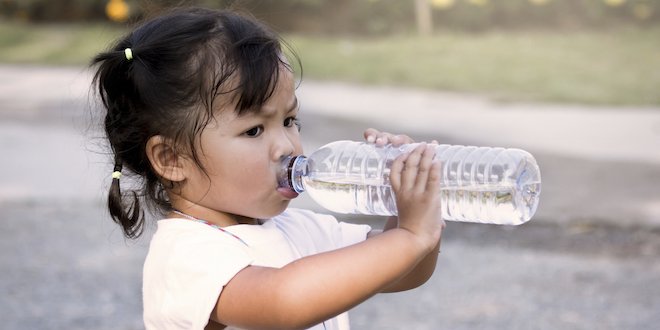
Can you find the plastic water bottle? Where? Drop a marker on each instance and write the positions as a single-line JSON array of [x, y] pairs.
[[479, 184]]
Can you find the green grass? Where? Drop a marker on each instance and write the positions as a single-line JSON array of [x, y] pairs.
[[614, 67], [71, 44]]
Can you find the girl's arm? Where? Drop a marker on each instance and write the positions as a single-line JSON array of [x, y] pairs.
[[417, 276], [315, 288]]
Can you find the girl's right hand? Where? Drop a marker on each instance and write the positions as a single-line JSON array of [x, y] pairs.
[[415, 179]]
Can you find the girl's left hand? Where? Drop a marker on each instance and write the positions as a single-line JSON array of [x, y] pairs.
[[373, 135]]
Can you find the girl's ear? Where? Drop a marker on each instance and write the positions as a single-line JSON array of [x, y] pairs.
[[164, 160]]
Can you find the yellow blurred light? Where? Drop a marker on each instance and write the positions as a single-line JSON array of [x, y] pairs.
[[117, 10], [442, 4], [642, 11], [539, 2], [479, 2], [614, 3]]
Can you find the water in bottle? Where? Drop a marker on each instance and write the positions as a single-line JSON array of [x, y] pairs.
[[479, 184]]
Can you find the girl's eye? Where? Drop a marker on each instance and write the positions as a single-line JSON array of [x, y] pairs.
[[254, 132], [292, 121]]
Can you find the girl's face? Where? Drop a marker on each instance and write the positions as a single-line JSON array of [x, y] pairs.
[[241, 157]]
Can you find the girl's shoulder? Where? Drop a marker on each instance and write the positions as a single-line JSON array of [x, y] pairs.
[[184, 236]]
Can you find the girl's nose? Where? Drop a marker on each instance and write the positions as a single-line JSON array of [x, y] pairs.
[[284, 145]]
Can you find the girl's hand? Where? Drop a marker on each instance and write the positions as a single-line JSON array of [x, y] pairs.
[[421, 181], [415, 179], [373, 135]]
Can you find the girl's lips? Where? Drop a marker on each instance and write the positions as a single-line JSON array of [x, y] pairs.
[[287, 192]]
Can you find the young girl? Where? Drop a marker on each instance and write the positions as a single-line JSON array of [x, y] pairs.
[[201, 106]]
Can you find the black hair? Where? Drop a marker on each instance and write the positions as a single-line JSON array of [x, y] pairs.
[[181, 62]]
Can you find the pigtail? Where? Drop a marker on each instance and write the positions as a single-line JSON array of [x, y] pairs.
[[127, 214], [115, 92]]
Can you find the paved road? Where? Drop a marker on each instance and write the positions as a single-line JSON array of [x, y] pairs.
[[588, 260]]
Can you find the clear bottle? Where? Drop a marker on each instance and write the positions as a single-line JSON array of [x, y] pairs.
[[479, 184]]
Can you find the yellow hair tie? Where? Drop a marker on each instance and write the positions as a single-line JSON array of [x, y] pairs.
[[116, 175], [129, 54]]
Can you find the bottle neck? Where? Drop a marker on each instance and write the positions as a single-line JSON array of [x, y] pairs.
[[292, 171]]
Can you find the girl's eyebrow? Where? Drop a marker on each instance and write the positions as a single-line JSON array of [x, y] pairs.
[[293, 107], [272, 112], [267, 112]]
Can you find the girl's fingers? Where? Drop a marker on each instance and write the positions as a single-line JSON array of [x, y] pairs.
[[383, 139], [373, 135], [395, 171], [424, 169], [411, 167], [370, 134], [400, 139], [412, 172], [434, 178]]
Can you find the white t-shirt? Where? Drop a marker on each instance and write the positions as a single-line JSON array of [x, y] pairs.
[[190, 262]]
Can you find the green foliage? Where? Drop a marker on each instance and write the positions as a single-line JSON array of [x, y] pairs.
[[373, 16], [68, 44], [617, 64], [551, 14], [617, 67], [51, 11]]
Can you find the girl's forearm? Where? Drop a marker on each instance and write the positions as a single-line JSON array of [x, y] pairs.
[[418, 275], [422, 271], [318, 287]]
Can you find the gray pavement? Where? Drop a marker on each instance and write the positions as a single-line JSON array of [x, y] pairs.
[[587, 260]]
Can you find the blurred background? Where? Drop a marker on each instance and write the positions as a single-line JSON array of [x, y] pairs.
[[575, 82], [583, 51]]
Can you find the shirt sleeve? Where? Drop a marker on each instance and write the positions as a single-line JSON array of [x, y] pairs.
[[352, 233], [193, 277], [314, 233]]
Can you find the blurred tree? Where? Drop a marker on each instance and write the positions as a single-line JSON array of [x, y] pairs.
[[442, 4], [614, 3], [479, 2], [57, 10], [366, 16], [643, 11], [423, 17]]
